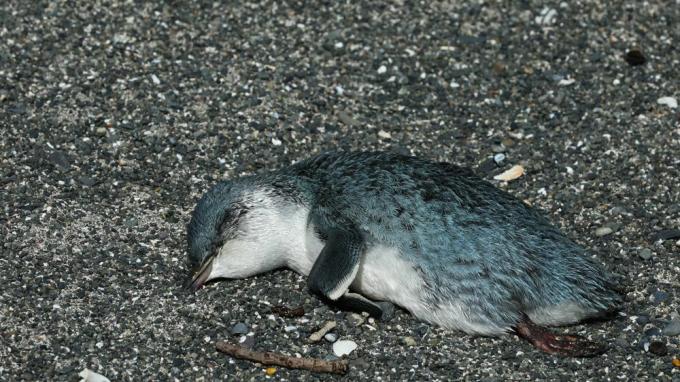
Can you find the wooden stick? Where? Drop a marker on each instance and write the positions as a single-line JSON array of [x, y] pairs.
[[318, 335], [285, 311], [270, 358]]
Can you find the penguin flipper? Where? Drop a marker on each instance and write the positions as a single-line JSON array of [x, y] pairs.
[[337, 264], [335, 270]]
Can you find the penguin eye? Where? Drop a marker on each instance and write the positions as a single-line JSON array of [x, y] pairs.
[[229, 222]]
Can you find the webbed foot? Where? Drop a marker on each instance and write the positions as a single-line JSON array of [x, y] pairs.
[[387, 309], [560, 344]]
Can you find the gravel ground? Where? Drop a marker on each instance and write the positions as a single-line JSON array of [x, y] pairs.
[[115, 117]]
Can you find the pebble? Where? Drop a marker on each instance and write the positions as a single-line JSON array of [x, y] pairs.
[[344, 347], [290, 328], [384, 134], [667, 234], [672, 328], [356, 319], [408, 341], [382, 69], [546, 17], [659, 348], [239, 329], [642, 319], [331, 337], [101, 131], [634, 57], [498, 148], [487, 166], [645, 254], [247, 341], [603, 231], [270, 371], [499, 158], [668, 101], [622, 342], [660, 296]]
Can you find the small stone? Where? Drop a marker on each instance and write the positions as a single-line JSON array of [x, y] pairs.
[[645, 254], [642, 319], [356, 319], [101, 131], [276, 141], [499, 158], [87, 181], [155, 80], [344, 347], [487, 166], [384, 134], [660, 296], [60, 159], [508, 142], [498, 148], [676, 362], [290, 328], [239, 329], [652, 332], [331, 337], [668, 101], [270, 371], [667, 234], [247, 341], [347, 119], [408, 341], [622, 342], [382, 69], [659, 348], [603, 231], [672, 328], [635, 57]]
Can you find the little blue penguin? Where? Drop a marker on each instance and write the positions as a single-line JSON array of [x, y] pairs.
[[371, 230]]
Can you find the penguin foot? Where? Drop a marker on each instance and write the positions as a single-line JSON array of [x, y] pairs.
[[387, 309], [560, 344]]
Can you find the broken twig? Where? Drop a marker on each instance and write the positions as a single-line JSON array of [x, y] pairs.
[[318, 335], [285, 311], [269, 358]]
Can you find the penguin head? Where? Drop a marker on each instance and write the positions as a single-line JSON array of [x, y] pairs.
[[237, 230]]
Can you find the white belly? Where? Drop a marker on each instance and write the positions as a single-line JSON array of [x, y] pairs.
[[384, 276]]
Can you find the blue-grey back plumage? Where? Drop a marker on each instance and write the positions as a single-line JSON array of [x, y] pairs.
[[468, 241]]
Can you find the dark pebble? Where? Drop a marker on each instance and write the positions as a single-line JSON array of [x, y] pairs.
[[635, 57], [487, 166], [652, 332], [660, 296], [87, 181], [667, 234], [642, 319], [659, 348]]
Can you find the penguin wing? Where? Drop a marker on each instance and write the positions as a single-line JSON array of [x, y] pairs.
[[338, 263]]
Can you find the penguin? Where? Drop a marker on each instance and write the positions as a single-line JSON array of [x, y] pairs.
[[371, 230]]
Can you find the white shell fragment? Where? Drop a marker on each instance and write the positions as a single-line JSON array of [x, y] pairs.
[[88, 375], [668, 101], [344, 347], [513, 173]]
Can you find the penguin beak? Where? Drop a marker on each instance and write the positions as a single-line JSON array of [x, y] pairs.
[[201, 276]]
